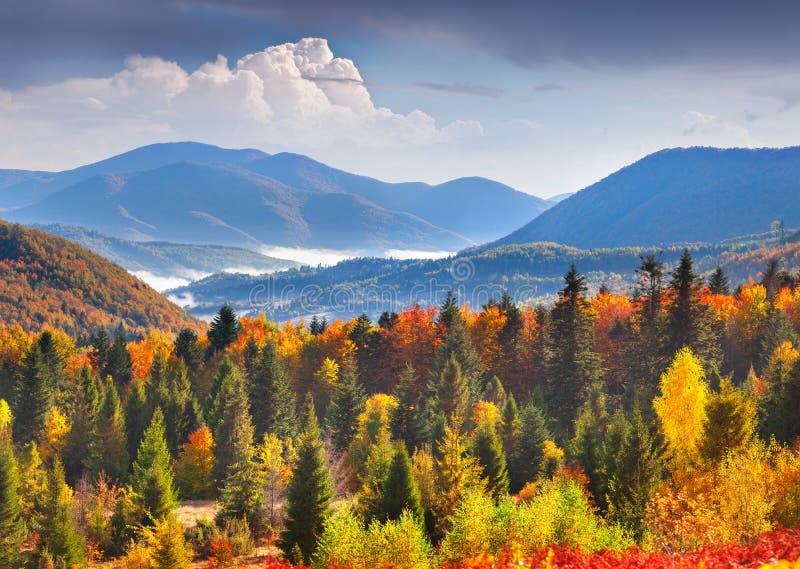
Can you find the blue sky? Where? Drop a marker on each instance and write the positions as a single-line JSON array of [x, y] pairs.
[[546, 97]]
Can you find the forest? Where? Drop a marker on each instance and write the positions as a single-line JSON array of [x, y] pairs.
[[657, 428]]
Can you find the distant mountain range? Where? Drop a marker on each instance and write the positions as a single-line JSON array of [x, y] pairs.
[[165, 265], [684, 194], [47, 280], [200, 194]]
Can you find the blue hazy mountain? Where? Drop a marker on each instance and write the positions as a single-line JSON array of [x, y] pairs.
[[686, 194]]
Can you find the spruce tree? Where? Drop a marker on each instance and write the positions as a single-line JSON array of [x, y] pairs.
[[223, 331], [100, 346], [494, 392], [509, 426], [309, 494], [12, 525], [684, 312], [272, 402], [452, 390], [232, 404], [108, 444], [533, 432], [586, 447], [400, 489], [179, 409], [153, 479], [779, 408], [407, 393], [487, 449], [33, 397], [345, 407], [118, 361], [59, 537], [137, 415], [186, 349], [457, 343], [84, 414], [571, 364], [718, 282]]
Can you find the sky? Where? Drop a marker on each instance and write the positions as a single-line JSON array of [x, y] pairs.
[[545, 96]]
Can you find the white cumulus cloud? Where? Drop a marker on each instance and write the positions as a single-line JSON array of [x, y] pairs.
[[292, 96]]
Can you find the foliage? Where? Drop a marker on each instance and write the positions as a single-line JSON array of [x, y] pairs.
[[194, 469]]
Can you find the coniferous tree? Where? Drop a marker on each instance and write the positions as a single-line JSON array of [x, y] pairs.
[[168, 546], [345, 407], [494, 392], [730, 422], [137, 415], [452, 390], [404, 419], [487, 449], [779, 408], [100, 346], [52, 359], [186, 349], [684, 312], [59, 537], [778, 329], [272, 402], [718, 282], [108, 442], [84, 414], [223, 331], [457, 344], [231, 406], [528, 454], [179, 409], [509, 340], [153, 479], [118, 362], [509, 427], [400, 489], [12, 525], [586, 447], [571, 364], [156, 388], [309, 494], [34, 396]]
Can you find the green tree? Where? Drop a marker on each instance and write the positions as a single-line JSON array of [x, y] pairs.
[[309, 494], [231, 406], [186, 349], [779, 408], [718, 282], [84, 413], [59, 537], [452, 390], [108, 444], [12, 525], [400, 489], [34, 396], [223, 331], [730, 422], [527, 456], [571, 364], [586, 447], [168, 546], [272, 402], [118, 361], [137, 415], [457, 344], [153, 479], [487, 449], [345, 407]]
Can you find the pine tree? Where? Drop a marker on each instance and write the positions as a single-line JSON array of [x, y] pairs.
[[34, 396], [571, 364], [457, 344], [509, 426], [586, 447], [179, 415], [452, 390], [242, 489], [223, 331], [12, 525], [153, 479], [779, 408], [533, 432], [108, 444], [343, 411], [404, 420], [487, 449], [137, 415], [118, 361], [231, 406], [100, 346], [309, 494], [684, 312], [85, 409], [400, 489], [272, 401], [730, 422], [718, 282], [186, 349], [634, 470], [59, 537], [155, 388], [494, 392]]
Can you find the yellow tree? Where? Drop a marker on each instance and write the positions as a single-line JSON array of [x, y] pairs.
[[681, 407], [274, 459], [56, 429]]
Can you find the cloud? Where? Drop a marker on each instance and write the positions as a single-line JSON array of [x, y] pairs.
[[713, 130], [549, 87], [298, 95], [460, 88]]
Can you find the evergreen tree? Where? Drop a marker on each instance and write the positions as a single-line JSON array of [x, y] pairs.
[[153, 479], [571, 364], [400, 489], [509, 426], [684, 312], [509, 341], [84, 414], [779, 408], [168, 546], [100, 346], [634, 471], [586, 447], [345, 407], [156, 389], [12, 525], [118, 362], [777, 330], [52, 359], [487, 449], [452, 390], [137, 415], [494, 392], [223, 331], [533, 432], [457, 344], [404, 419], [272, 401], [186, 349], [59, 537], [179, 410], [718, 282], [730, 422], [309, 494], [232, 405], [34, 396], [108, 443]]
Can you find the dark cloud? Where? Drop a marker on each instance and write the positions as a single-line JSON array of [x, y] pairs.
[[460, 88], [626, 33]]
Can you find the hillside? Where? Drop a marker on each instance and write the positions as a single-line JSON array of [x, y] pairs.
[[531, 273], [683, 194], [156, 260], [47, 280]]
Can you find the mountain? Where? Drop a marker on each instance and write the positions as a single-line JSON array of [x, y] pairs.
[[164, 262], [477, 208], [46, 280], [197, 203], [682, 194], [19, 187], [195, 193], [531, 273]]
